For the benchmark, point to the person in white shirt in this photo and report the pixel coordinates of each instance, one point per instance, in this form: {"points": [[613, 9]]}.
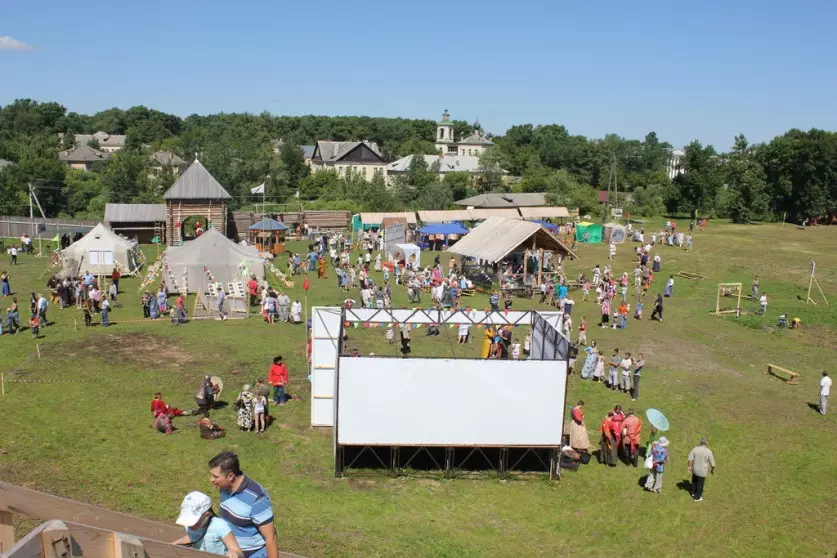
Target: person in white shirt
{"points": [[763, 303], [13, 254], [625, 366], [515, 350], [825, 390], [464, 333]]}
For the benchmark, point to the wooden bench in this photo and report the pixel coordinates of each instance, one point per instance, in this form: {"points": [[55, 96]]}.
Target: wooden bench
{"points": [[467, 292], [776, 370]]}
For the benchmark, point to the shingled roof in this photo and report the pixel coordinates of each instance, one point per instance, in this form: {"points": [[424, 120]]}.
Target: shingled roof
{"points": [[196, 183]]}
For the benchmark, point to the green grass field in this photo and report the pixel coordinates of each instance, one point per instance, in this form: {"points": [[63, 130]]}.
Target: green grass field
{"points": [[774, 493]]}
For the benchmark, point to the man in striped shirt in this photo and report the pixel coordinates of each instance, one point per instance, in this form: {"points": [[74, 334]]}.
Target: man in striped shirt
{"points": [[245, 506]]}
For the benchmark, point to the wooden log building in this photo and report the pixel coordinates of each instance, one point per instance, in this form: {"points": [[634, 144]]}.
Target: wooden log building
{"points": [[195, 194]]}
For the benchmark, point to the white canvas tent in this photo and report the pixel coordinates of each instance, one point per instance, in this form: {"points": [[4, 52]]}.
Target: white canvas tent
{"points": [[224, 259], [410, 253], [98, 252]]}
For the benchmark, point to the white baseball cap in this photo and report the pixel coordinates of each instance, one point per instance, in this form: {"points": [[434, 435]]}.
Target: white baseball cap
{"points": [[194, 505]]}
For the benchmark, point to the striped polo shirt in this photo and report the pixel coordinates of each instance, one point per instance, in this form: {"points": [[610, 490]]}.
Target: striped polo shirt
{"points": [[245, 510]]}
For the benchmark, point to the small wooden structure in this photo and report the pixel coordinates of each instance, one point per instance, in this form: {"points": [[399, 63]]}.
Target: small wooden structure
{"points": [[774, 370], [729, 290], [268, 235], [74, 529], [195, 194], [688, 275]]}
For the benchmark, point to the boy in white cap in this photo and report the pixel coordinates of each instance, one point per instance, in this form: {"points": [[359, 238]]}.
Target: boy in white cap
{"points": [[204, 530]]}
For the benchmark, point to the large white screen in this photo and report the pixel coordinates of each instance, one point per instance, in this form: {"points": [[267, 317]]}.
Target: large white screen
{"points": [[447, 402]]}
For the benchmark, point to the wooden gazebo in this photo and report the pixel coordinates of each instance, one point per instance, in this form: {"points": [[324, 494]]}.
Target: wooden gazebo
{"points": [[269, 235], [195, 197]]}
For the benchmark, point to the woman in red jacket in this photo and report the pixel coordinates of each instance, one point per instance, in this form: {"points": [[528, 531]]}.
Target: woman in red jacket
{"points": [[278, 378]]}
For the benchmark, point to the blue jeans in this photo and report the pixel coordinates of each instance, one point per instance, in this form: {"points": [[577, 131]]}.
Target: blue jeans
{"points": [[279, 394], [105, 321], [624, 321]]}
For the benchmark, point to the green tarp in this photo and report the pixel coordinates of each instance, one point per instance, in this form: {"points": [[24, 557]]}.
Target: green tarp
{"points": [[594, 230]]}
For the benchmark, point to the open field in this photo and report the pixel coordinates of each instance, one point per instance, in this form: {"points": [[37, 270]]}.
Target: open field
{"points": [[774, 493]]}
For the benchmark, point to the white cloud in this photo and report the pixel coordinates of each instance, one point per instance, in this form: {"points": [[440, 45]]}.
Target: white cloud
{"points": [[8, 43]]}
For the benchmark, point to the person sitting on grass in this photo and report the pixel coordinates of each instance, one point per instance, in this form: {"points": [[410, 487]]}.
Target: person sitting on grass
{"points": [[159, 406], [204, 530], [209, 429]]}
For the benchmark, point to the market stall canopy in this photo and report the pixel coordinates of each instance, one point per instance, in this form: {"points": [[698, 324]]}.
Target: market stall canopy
{"points": [[551, 227], [594, 230], [444, 216], [544, 212], [498, 237], [378, 218], [443, 228], [480, 214], [269, 225], [223, 258]]}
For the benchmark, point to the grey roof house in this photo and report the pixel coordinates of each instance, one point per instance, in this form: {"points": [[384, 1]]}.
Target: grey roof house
{"points": [[109, 143], [82, 157]]}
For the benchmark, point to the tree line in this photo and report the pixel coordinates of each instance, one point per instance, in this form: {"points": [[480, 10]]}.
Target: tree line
{"points": [[793, 175]]}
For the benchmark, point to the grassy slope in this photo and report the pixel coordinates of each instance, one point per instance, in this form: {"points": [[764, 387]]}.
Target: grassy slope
{"points": [[774, 493]]}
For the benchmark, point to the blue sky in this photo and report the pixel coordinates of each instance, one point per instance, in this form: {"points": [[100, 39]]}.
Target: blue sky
{"points": [[705, 70]]}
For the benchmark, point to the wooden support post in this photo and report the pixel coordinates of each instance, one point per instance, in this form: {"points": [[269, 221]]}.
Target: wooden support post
{"points": [[127, 546], [56, 542], [7, 532], [540, 266]]}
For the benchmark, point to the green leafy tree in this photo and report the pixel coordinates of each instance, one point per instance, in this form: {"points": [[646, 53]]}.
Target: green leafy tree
{"points": [[124, 178], [697, 188], [459, 184], [746, 183], [490, 172]]}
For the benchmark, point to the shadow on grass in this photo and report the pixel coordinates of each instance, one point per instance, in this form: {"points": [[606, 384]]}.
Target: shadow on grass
{"points": [[685, 485], [815, 406]]}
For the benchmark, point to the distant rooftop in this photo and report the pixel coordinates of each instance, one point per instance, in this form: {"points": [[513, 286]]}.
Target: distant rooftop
{"points": [[504, 200]]}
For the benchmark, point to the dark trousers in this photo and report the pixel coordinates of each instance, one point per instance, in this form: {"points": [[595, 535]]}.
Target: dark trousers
{"points": [[116, 284], [278, 394], [657, 312], [14, 259], [146, 312], [635, 393], [697, 486]]}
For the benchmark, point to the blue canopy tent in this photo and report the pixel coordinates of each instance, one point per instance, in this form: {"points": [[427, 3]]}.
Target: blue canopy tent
{"points": [[440, 229], [267, 234], [551, 227], [443, 228]]}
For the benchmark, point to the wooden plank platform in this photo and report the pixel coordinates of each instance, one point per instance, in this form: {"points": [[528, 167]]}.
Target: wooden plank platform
{"points": [[774, 370]]}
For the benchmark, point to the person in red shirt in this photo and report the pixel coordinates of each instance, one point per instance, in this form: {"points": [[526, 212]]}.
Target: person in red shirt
{"points": [[159, 406], [181, 310], [278, 378], [607, 455], [632, 426], [253, 290], [114, 278], [616, 421]]}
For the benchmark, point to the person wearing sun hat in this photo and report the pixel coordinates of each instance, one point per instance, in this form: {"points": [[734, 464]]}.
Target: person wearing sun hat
{"points": [[204, 530], [659, 457]]}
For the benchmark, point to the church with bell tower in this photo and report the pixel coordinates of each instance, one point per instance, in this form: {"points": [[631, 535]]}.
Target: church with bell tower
{"points": [[475, 144]]}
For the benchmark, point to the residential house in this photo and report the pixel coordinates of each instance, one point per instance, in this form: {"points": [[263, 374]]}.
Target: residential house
{"points": [[475, 144], [676, 159], [108, 143], [360, 157], [160, 160], [446, 163], [82, 157]]}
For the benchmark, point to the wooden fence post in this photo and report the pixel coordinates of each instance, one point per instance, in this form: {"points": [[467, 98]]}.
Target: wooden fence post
{"points": [[7, 531]]}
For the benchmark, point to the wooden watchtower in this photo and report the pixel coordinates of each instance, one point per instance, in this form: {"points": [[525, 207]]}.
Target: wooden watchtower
{"points": [[198, 195]]}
